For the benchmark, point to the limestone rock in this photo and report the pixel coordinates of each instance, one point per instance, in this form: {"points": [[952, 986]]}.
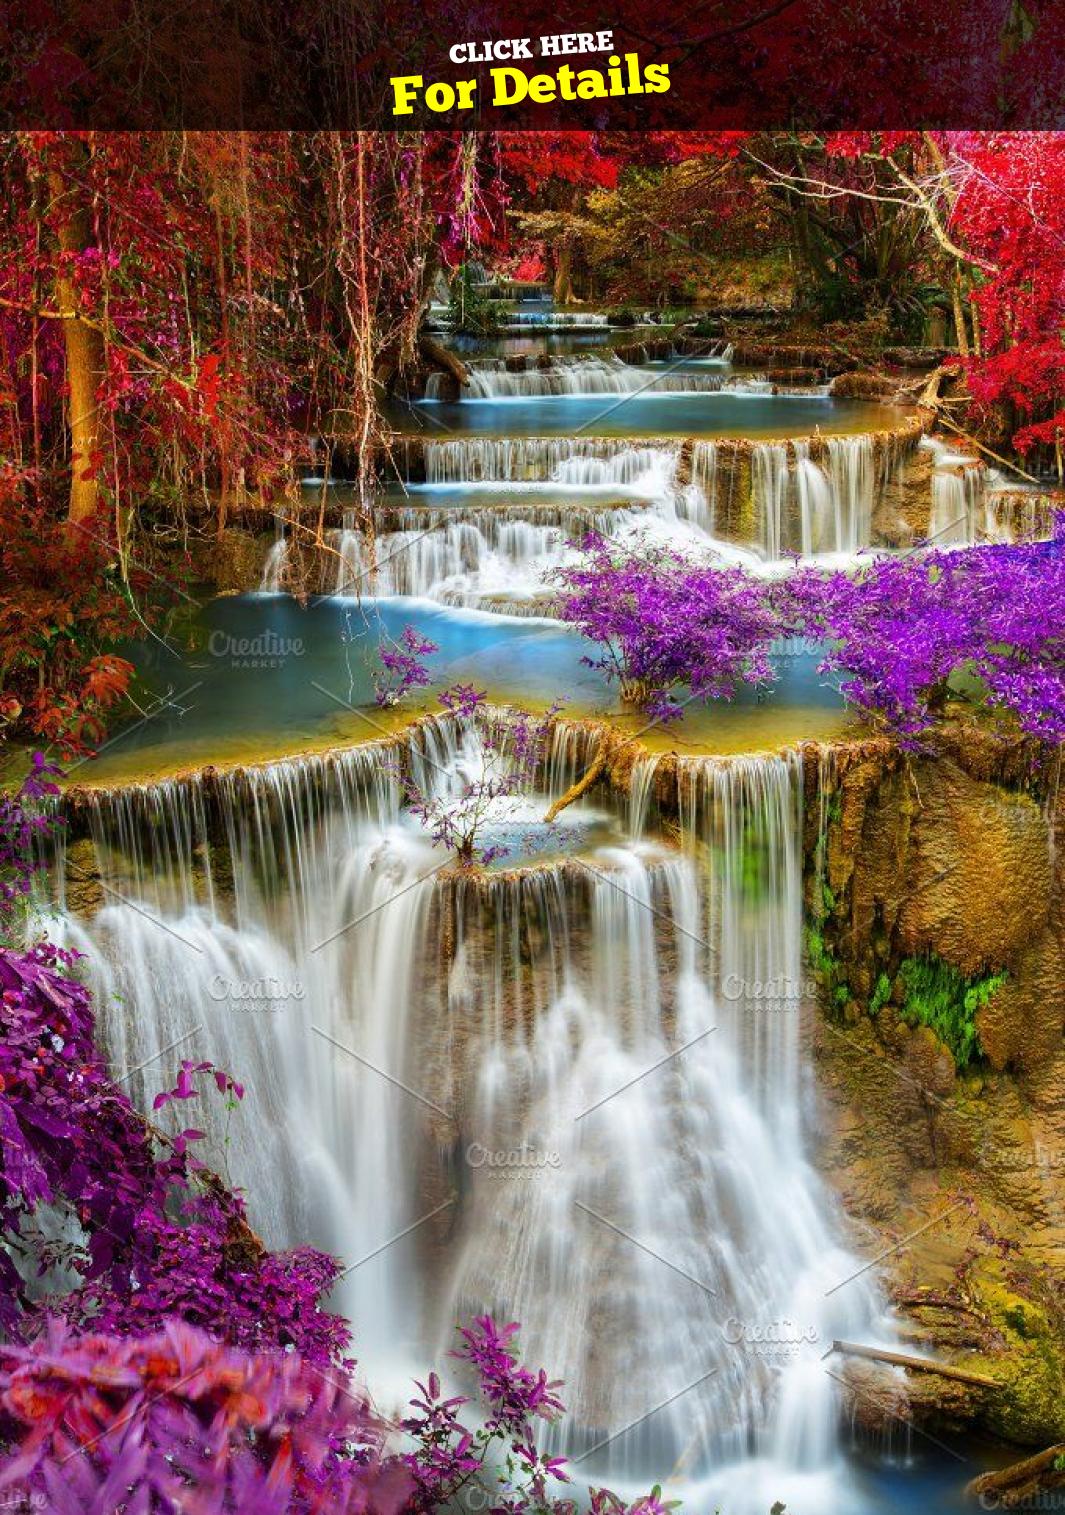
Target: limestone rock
{"points": [[979, 872]]}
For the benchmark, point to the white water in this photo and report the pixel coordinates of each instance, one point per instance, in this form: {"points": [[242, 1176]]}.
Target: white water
{"points": [[504, 555], [557, 318], [492, 379], [801, 506], [571, 1019]]}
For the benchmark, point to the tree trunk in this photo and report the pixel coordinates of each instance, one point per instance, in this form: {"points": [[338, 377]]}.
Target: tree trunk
{"points": [[595, 769], [84, 354], [1022, 1483], [959, 317], [563, 288]]}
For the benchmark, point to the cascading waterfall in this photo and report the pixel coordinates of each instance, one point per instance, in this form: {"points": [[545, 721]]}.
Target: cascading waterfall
{"points": [[470, 555], [564, 318], [564, 460], [958, 516], [809, 507], [853, 480], [492, 379], [974, 504], [459, 561], [629, 1025]]}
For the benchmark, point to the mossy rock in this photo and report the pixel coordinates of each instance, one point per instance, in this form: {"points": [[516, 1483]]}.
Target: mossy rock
{"points": [[1030, 1408]]}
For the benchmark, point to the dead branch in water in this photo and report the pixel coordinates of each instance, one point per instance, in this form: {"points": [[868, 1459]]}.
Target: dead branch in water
{"points": [[439, 356], [595, 770], [918, 1364]]}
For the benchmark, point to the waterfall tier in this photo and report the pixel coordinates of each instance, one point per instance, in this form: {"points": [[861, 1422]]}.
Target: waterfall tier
{"points": [[496, 378], [564, 1092]]}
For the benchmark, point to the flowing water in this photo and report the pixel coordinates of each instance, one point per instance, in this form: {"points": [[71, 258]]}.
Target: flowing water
{"points": [[974, 504], [575, 1095], [494, 517]]}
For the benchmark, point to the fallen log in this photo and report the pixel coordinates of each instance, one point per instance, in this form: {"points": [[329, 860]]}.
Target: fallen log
{"points": [[1022, 1482], [918, 1364], [443, 358], [595, 768]]}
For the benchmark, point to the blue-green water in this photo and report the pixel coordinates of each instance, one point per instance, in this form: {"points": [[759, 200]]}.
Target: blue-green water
{"points": [[720, 413], [263, 675]]}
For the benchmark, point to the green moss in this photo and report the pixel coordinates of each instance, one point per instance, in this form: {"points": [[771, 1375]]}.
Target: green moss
{"points": [[828, 968], [938, 996], [1017, 1321], [881, 994]]}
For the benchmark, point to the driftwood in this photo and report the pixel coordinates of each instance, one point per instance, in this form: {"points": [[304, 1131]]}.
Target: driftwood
{"points": [[443, 358], [1021, 1482], [918, 1364], [594, 770]]}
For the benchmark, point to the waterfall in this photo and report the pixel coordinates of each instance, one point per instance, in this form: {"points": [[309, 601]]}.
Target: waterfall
{"points": [[565, 460], [567, 319], [805, 506], [852, 477], [473, 555], [459, 562], [970, 504], [458, 558], [274, 567], [816, 503], [573, 1093], [957, 500], [702, 495], [491, 379], [770, 486]]}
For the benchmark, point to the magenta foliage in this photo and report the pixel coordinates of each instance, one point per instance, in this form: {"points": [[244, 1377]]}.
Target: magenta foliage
{"points": [[23, 824], [403, 666], [177, 1421], [160, 1235], [457, 813], [664, 622], [900, 628]]}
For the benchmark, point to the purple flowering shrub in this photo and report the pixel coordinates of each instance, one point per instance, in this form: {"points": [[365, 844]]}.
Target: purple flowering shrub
{"points": [[150, 1232], [899, 629], [23, 824], [663, 622], [176, 1421], [402, 668], [457, 816]]}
